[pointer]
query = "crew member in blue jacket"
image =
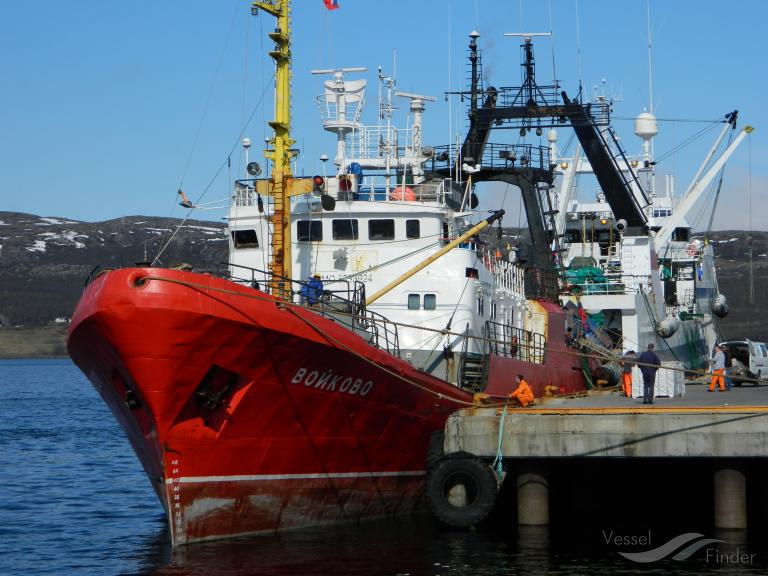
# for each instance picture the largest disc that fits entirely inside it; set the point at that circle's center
(312, 291)
(649, 363)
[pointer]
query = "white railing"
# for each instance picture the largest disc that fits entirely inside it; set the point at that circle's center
(509, 277)
(329, 111)
(372, 142)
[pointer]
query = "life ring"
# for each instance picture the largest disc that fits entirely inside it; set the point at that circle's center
(345, 183)
(480, 490)
(397, 194)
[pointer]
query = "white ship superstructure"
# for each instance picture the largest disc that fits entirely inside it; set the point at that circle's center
(376, 217)
(658, 286)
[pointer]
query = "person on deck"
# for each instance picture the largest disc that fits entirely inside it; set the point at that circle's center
(312, 291)
(718, 369)
(523, 393)
(649, 363)
(629, 360)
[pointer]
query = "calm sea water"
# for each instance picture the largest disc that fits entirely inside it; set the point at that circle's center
(75, 501)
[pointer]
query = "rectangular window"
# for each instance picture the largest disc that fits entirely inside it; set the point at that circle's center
(413, 229)
(472, 273)
(245, 239)
(430, 301)
(309, 230)
(345, 230)
(414, 301)
(381, 229)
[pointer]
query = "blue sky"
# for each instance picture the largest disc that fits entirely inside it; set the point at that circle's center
(108, 106)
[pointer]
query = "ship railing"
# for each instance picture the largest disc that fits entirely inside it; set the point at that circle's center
(245, 192)
(376, 187)
(329, 111)
(379, 187)
(342, 301)
(509, 276)
(681, 251)
(376, 142)
(625, 284)
(511, 342)
(496, 157)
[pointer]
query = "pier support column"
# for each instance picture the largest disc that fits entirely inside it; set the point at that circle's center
(532, 497)
(730, 498)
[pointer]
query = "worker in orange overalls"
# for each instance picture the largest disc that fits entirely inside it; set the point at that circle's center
(523, 393)
(718, 369)
(629, 360)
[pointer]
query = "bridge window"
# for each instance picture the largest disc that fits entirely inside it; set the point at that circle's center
(309, 230)
(430, 301)
(412, 229)
(245, 239)
(381, 229)
(345, 230)
(681, 234)
(414, 301)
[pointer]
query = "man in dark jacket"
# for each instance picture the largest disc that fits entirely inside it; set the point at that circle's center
(649, 363)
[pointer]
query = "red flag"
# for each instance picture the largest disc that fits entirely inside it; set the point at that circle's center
(331, 4)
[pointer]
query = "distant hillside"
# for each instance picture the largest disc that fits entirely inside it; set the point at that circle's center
(44, 261)
(746, 319)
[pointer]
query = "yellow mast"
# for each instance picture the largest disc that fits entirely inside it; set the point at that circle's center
(281, 144)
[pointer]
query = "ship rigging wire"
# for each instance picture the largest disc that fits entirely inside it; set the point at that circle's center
(217, 173)
(209, 96)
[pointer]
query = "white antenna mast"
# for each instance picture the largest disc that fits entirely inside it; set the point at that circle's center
(342, 102)
(417, 110)
(650, 61)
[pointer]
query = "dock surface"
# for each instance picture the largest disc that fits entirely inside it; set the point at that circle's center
(604, 424)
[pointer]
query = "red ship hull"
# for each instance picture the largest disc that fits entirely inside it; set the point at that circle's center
(252, 415)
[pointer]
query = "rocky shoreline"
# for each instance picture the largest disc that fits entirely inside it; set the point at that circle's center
(46, 342)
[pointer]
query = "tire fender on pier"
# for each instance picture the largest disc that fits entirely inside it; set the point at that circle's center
(461, 489)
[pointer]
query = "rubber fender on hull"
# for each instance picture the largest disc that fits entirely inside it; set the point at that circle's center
(461, 490)
(668, 326)
(720, 306)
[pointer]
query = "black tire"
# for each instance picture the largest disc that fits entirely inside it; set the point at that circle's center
(479, 483)
(435, 450)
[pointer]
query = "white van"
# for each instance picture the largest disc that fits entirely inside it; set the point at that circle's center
(748, 360)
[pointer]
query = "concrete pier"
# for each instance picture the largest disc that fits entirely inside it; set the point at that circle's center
(685, 431)
(727, 429)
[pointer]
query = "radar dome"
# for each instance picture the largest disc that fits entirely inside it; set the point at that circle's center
(645, 125)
